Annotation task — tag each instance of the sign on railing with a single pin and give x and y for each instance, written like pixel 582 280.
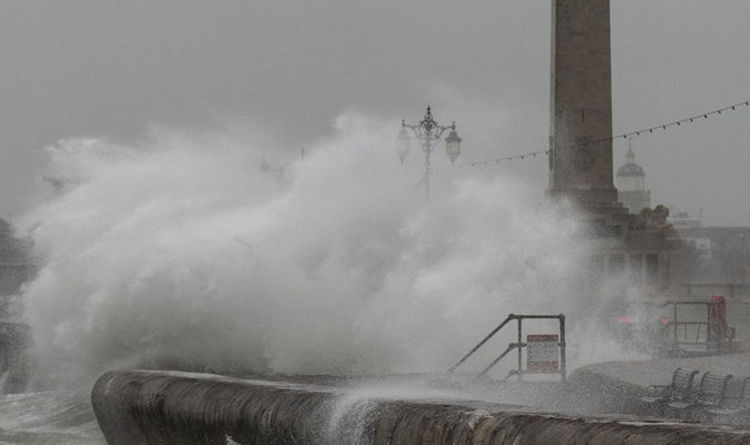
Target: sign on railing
pixel 542 354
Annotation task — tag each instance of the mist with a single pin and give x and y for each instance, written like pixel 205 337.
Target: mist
pixel 184 251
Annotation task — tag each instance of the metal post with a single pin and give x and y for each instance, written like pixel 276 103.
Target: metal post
pixel 742 272
pixel 427 165
pixel 563 371
pixel 520 349
pixel 674 324
pixel 709 334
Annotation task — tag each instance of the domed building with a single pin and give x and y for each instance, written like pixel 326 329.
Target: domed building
pixel 630 181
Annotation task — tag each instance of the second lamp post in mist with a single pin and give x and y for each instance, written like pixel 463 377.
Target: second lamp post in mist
pixel 429 132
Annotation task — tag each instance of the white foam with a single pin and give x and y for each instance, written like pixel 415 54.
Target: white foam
pixel 182 249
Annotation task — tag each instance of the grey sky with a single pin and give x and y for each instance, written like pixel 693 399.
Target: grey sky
pixel 80 68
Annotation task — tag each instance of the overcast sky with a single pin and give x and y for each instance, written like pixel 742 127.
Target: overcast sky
pixel 117 69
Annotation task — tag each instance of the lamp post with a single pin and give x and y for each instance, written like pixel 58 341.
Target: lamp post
pixel 429 132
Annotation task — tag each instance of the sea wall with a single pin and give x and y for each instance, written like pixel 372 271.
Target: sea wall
pixel 153 407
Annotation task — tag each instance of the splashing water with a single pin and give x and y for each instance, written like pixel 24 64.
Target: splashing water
pixel 183 252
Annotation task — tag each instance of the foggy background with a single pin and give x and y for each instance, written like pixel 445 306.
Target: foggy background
pixel 287 69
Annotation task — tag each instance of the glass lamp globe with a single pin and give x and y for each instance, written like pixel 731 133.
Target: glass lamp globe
pixel 453 145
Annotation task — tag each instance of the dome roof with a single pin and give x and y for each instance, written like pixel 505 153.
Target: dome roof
pixel 630 169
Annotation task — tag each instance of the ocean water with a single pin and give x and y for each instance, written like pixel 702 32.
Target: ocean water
pixel 48 417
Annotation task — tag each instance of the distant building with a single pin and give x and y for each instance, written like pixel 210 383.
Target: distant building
pixel 717 254
pixel 699 242
pixel 683 220
pixel 630 181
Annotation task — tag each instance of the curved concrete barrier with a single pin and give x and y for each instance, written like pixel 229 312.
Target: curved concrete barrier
pixel 153 407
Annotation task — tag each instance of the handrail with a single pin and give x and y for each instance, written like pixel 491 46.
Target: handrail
pixel 519 344
pixel 481 343
pixel 722 342
pixel 511 347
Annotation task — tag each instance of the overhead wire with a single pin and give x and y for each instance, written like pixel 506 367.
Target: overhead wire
pixel 640 132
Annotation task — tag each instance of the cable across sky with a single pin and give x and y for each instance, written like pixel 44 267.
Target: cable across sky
pixel 647 130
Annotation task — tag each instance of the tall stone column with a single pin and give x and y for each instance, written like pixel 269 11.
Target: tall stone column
pixel 581 104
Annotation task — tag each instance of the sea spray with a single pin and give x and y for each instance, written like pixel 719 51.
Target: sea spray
pixel 183 252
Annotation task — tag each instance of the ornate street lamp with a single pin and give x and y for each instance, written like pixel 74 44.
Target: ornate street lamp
pixel 429 132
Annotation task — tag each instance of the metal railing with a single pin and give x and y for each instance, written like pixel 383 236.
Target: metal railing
pixel 717 338
pixel 519 346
